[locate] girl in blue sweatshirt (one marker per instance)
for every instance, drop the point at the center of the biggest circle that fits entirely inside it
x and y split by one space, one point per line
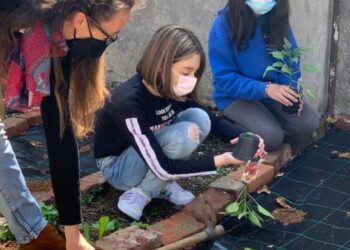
241 39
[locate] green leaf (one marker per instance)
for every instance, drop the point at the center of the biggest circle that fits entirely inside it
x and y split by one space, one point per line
309 93
268 69
86 230
264 212
278 55
95 226
295 59
304 50
300 89
311 69
139 224
113 225
221 171
5 233
300 51
287 44
49 212
277 64
232 208
254 219
103 222
241 215
286 69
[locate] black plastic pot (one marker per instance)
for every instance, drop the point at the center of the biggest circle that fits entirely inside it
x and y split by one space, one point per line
248 144
292 110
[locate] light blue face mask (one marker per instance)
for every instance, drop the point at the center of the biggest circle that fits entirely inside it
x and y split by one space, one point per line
261 7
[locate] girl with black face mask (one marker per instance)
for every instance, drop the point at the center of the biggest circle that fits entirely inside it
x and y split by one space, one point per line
56 64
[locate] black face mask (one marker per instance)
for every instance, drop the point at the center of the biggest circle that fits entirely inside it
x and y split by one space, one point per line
85 48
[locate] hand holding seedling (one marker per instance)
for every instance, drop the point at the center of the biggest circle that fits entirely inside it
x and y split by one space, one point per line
287 63
282 94
261 150
227 158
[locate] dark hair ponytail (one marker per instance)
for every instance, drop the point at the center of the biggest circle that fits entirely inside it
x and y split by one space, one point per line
242 22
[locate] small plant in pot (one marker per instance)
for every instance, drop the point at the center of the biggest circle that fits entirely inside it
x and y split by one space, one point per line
245 206
286 59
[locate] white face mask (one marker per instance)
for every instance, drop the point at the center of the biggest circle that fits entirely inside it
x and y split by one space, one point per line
261 7
185 85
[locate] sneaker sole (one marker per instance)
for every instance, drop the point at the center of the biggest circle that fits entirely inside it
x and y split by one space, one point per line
127 211
183 203
176 203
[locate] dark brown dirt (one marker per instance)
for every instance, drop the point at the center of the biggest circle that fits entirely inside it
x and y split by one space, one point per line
105 204
157 210
39 186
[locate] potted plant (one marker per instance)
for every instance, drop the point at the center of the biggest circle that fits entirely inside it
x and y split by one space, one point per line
248 144
286 59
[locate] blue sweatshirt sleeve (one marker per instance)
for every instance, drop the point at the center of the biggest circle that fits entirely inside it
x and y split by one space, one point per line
225 72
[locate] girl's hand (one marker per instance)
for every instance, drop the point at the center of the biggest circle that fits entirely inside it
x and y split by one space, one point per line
226 159
282 94
75 240
261 148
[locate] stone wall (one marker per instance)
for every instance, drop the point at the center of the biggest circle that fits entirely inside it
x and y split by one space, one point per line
342 39
311 21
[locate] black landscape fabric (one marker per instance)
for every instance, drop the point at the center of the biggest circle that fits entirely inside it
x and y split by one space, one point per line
318 184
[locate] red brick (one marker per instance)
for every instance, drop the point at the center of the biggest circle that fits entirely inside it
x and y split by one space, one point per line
131 238
15 126
43 196
279 158
228 184
177 227
91 181
264 176
33 118
219 200
86 183
237 174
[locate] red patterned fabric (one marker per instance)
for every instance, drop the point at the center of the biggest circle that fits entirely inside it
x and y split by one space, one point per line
28 79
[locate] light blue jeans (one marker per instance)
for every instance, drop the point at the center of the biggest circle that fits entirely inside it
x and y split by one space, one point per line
19 207
178 143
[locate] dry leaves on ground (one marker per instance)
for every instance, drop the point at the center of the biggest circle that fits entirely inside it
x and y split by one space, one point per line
264 189
287 215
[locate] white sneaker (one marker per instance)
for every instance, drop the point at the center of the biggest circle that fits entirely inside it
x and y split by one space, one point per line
132 203
174 193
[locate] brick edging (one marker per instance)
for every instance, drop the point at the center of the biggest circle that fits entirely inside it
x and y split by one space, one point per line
86 183
19 124
191 219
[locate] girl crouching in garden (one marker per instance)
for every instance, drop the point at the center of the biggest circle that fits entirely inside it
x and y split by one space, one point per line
152 124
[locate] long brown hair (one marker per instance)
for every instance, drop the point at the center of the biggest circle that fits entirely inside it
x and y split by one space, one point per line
170 44
242 22
84 94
